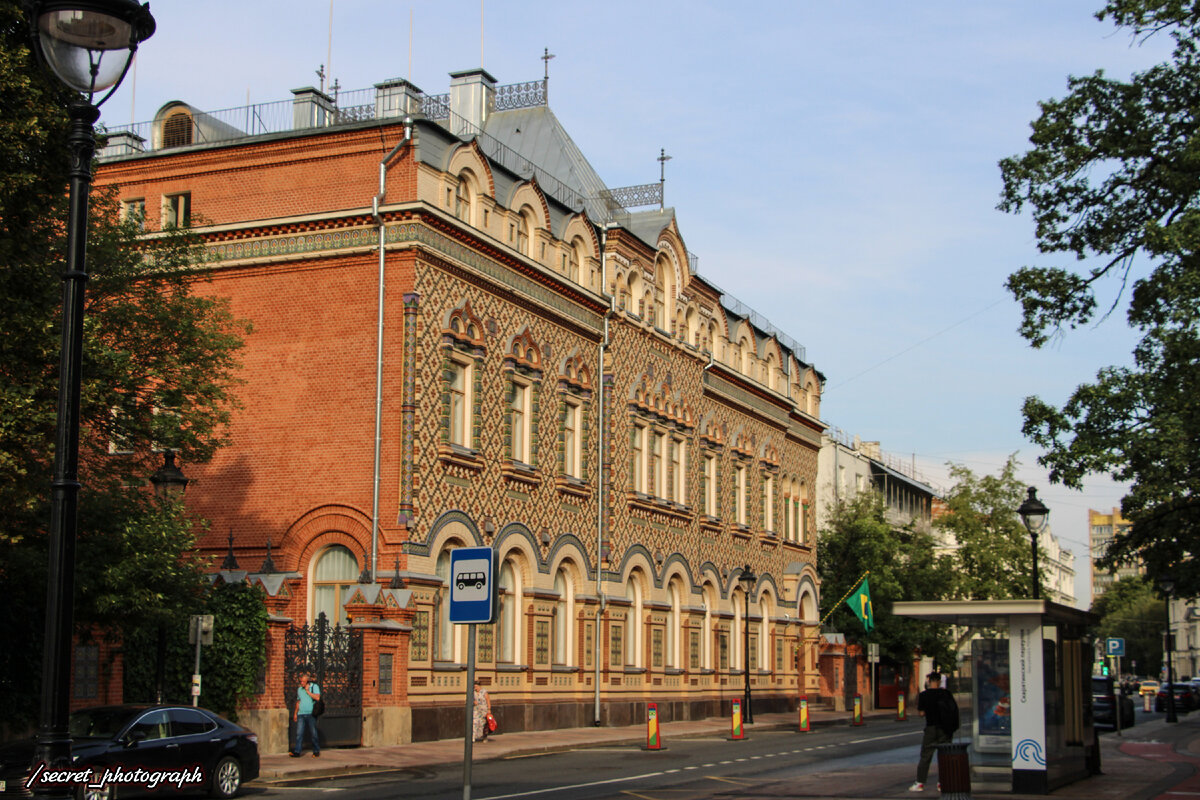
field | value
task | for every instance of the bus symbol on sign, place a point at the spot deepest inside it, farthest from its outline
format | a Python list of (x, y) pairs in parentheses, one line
[(476, 579), (1114, 647)]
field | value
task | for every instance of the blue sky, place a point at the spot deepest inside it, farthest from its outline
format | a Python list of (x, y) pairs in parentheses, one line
[(834, 166)]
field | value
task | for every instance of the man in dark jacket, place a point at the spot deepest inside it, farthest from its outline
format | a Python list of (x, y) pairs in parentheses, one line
[(940, 710)]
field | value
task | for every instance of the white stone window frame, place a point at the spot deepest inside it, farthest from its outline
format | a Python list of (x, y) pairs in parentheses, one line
[(460, 413)]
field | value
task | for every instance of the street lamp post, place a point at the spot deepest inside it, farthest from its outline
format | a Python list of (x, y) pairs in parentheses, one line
[(1033, 514), (1167, 584), (748, 579), (169, 485), (88, 45)]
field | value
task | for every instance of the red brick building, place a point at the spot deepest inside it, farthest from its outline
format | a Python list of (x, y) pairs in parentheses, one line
[(462, 337)]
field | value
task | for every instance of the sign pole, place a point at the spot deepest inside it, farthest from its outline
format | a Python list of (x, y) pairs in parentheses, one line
[(472, 601), (469, 736), (1116, 691), (196, 670)]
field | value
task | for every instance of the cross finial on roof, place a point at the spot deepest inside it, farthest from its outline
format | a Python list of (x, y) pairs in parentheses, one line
[(321, 75), (546, 56), (663, 158)]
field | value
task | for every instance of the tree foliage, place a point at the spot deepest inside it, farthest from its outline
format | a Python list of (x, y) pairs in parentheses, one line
[(159, 369), (1131, 610), (230, 666), (858, 537), (1113, 184), (993, 555)]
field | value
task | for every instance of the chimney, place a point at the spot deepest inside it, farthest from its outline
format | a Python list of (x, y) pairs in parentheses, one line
[(397, 98), (311, 108), (472, 94), (122, 143)]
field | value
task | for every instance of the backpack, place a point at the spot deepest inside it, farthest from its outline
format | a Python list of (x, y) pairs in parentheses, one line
[(947, 711)]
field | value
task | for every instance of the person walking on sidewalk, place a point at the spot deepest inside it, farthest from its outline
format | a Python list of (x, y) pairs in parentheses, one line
[(307, 693), (940, 710), (483, 709)]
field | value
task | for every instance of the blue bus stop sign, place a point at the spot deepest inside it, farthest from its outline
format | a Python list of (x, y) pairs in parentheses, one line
[(473, 585)]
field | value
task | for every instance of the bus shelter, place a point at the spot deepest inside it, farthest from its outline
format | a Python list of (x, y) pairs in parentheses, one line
[(1024, 687)]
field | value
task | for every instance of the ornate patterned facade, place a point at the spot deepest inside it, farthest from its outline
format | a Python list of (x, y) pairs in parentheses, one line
[(549, 377)]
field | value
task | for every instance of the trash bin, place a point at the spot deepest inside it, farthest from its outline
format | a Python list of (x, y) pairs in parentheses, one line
[(954, 771)]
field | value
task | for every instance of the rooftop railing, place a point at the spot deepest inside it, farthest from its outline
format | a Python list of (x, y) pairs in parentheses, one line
[(312, 109)]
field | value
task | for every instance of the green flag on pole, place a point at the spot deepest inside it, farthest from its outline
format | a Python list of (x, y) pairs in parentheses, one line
[(860, 603)]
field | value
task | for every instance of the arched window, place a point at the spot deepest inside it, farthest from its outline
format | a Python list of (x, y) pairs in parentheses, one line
[(510, 599), (443, 631), (674, 623), (802, 516), (738, 661), (462, 199), (524, 228), (335, 570), (633, 628), (177, 129), (766, 611), (563, 614), (574, 257), (706, 637)]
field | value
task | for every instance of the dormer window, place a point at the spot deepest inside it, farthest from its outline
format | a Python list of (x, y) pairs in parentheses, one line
[(177, 129), (523, 235)]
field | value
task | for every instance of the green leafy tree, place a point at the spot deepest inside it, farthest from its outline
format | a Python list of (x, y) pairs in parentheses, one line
[(1113, 184), (994, 555), (858, 537), (230, 666), (159, 369), (1131, 610)]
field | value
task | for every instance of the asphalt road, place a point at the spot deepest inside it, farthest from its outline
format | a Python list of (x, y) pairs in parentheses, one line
[(688, 768)]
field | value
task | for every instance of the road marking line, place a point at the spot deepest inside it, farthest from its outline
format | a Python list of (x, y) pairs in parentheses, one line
[(607, 782), (881, 738)]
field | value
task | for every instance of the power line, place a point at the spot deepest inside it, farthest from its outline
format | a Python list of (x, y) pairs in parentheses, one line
[(914, 346)]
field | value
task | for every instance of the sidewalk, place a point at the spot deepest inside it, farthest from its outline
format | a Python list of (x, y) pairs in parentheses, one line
[(1131, 768)]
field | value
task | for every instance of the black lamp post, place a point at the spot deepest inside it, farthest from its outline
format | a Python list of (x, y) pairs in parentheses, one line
[(748, 579), (1033, 514), (169, 485), (1167, 584), (89, 45)]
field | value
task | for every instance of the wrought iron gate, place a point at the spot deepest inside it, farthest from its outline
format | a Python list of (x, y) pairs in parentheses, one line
[(333, 655)]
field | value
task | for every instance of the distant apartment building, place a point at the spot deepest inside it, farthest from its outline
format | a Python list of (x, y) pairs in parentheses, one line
[(1184, 621), (1102, 528), (848, 466), (1057, 565)]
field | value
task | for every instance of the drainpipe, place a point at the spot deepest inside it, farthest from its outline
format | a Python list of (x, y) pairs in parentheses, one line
[(376, 201), (601, 494)]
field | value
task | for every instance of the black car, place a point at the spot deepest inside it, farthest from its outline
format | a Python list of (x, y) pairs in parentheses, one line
[(1185, 697), (121, 751), (1104, 703)]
